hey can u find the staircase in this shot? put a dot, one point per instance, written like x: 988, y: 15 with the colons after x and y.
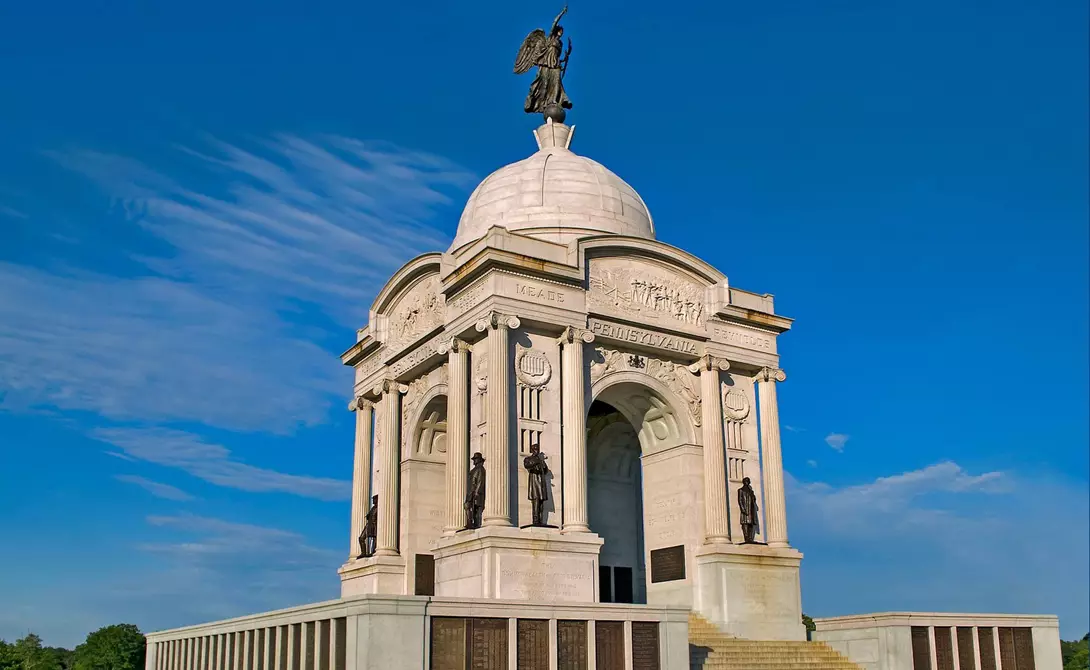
x: 712, y: 649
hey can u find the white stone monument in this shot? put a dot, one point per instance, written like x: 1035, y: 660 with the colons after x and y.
x: 556, y: 319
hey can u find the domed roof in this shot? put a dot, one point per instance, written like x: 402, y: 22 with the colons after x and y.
x: 554, y: 195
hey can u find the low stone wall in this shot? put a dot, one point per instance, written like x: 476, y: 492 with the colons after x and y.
x: 376, y: 632
x: 932, y: 640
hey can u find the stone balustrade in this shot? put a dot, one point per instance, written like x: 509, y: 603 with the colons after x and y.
x: 382, y: 631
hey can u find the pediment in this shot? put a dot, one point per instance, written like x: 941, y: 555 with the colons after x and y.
x: 411, y: 305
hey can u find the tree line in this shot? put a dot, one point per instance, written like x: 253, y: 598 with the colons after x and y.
x: 117, y: 647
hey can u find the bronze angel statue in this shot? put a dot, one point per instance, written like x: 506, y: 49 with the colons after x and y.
x: 547, y: 95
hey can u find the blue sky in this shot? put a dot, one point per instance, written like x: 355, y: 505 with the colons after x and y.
x: 198, y: 202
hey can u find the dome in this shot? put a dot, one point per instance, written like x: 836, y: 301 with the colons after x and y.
x: 554, y: 195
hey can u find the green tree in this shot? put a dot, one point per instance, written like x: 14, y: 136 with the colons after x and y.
x: 118, y: 647
x: 1076, y: 655
x: 8, y: 659
x: 31, y: 655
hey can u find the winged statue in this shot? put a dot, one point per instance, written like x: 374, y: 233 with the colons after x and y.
x: 546, y: 51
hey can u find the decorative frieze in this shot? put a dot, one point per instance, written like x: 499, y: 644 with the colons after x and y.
x: 644, y: 338
x: 419, y: 311
x: 645, y: 291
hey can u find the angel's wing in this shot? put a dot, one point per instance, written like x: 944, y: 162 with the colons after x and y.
x: 533, y: 47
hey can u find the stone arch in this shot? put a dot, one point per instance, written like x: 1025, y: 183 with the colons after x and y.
x: 428, y: 422
x: 660, y: 417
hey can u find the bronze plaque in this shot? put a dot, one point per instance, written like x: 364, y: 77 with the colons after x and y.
x: 1023, y: 649
x: 425, y: 575
x: 944, y: 648
x: 668, y: 564
x: 488, y: 644
x: 966, y: 656
x: 609, y: 645
x: 571, y: 645
x: 1006, y: 649
x: 448, y: 643
x: 987, y: 648
x: 921, y: 648
x: 645, y: 645
x: 533, y: 644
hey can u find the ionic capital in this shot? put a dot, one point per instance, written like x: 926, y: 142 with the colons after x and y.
x: 455, y: 345
x: 496, y: 320
x: 771, y: 375
x: 358, y: 403
x: 390, y: 386
x: 709, y: 363
x: 571, y: 335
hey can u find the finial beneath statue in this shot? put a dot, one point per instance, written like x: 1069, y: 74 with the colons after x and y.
x: 547, y: 95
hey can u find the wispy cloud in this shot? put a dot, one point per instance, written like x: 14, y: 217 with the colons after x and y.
x: 794, y: 429
x: 940, y: 538
x: 157, y: 489
x: 812, y: 463
x: 214, y: 463
x: 837, y: 440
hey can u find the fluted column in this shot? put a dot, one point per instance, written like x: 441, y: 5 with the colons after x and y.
x: 574, y: 422
x: 457, y: 435
x: 389, y: 466
x: 497, y: 501
x: 716, y: 512
x: 772, y: 465
x: 361, y: 470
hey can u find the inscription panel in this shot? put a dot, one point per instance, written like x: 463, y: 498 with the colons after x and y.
x: 921, y: 649
x: 487, y: 644
x: 645, y: 645
x: 645, y: 338
x: 448, y: 643
x: 609, y: 645
x: 966, y: 656
x: 944, y: 648
x: 987, y: 648
x: 433, y: 347
x: 557, y: 580
x: 768, y: 593
x: 571, y: 645
x: 1023, y: 649
x: 425, y: 575
x: 533, y: 644
x: 746, y: 338
x: 668, y: 564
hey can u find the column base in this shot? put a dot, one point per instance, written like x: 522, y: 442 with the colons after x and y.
x: 750, y: 591
x: 534, y: 563
x: 376, y: 574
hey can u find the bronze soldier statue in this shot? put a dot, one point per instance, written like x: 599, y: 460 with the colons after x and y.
x: 474, y: 504
x: 747, y: 511
x: 537, y: 488
x: 370, y: 530
x: 547, y: 95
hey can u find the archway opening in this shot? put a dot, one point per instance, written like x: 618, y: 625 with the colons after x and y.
x: 615, y: 503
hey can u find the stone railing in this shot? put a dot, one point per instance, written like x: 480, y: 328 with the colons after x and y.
x: 375, y: 632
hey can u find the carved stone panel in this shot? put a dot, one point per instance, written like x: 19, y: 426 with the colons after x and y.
x: 417, y: 312
x: 571, y: 645
x: 645, y: 645
x: 609, y: 645
x: 448, y: 643
x: 645, y: 292
x: 533, y: 644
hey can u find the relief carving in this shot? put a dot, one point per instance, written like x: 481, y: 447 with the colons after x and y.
x: 532, y: 368
x: 645, y: 292
x: 736, y: 404
x: 678, y: 378
x: 416, y: 313
x: 480, y: 376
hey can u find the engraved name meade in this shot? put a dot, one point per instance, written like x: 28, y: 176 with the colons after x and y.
x: 644, y: 337
x: 531, y: 291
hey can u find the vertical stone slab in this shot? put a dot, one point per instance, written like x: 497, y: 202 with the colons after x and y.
x: 488, y: 644
x: 921, y: 648
x: 987, y: 648
x: 306, y: 647
x: 338, y: 645
x: 609, y: 647
x: 944, y: 648
x: 1008, y: 659
x: 321, y: 644
x: 1023, y: 649
x: 571, y: 645
x: 966, y: 649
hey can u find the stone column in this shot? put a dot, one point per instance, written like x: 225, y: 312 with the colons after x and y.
x: 457, y: 436
x: 772, y: 467
x: 361, y: 471
x: 716, y: 515
x: 389, y: 461
x: 574, y: 423
x: 497, y: 500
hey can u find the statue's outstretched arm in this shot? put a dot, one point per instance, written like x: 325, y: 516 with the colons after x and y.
x: 559, y: 16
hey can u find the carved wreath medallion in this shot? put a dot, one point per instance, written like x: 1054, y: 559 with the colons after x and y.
x: 532, y: 368
x: 735, y: 404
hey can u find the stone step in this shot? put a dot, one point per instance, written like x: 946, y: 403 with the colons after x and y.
x: 712, y: 649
